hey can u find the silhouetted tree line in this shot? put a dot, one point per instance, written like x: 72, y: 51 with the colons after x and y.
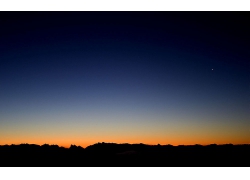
x: 123, y: 155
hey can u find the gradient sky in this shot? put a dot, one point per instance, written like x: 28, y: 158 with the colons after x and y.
x: 124, y: 77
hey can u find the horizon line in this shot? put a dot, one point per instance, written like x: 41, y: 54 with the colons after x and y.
x: 126, y: 143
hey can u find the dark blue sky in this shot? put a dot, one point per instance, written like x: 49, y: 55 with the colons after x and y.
x: 124, y: 76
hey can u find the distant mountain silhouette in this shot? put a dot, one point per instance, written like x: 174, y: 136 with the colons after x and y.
x: 125, y: 155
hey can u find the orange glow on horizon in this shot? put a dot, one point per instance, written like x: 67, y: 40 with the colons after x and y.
x: 85, y: 143
x: 146, y: 133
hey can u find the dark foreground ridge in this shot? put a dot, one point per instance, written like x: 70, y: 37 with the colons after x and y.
x: 125, y: 155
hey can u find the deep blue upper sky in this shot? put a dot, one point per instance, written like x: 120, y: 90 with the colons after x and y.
x: 150, y: 67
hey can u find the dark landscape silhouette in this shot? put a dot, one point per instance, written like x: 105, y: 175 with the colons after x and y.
x: 125, y: 155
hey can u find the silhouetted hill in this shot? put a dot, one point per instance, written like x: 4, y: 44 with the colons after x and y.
x: 123, y: 155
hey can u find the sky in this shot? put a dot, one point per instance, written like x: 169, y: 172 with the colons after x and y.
x: 80, y: 78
